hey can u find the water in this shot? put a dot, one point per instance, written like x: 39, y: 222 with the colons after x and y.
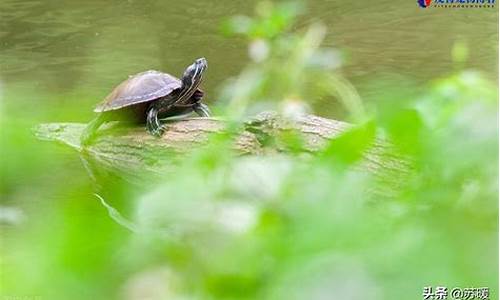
x: 59, y: 58
x: 83, y: 49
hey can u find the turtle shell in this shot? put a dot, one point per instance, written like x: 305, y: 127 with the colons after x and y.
x: 140, y: 88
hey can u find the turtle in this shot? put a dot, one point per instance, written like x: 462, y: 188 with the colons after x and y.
x: 151, y: 96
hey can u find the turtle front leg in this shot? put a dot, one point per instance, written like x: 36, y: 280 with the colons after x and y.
x: 202, y: 109
x: 153, y: 124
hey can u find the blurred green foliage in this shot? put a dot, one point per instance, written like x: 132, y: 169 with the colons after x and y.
x: 281, y: 226
x: 288, y: 69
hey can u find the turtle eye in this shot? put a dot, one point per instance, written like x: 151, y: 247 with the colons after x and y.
x: 201, y: 60
x: 202, y: 63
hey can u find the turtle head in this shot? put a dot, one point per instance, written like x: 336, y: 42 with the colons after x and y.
x: 194, y: 74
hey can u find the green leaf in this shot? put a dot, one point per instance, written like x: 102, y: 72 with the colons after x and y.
x: 349, y: 147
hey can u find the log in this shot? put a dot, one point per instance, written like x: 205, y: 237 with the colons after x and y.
x: 128, y: 149
x: 189, y: 132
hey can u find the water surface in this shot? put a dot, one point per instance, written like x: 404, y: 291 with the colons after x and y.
x: 84, y: 48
